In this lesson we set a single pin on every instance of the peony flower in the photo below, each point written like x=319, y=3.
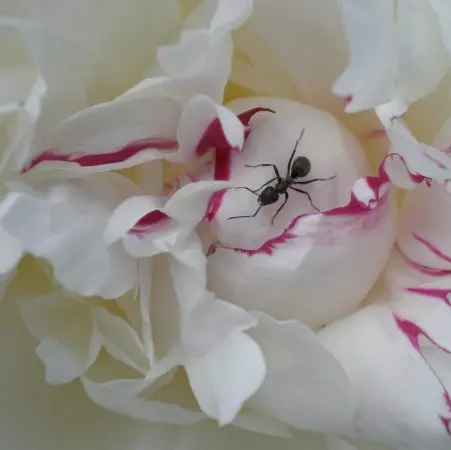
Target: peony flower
x=216, y=254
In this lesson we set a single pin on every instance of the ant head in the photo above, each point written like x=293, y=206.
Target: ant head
x=301, y=167
x=268, y=196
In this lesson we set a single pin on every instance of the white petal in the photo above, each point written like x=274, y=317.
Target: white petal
x=369, y=79
x=422, y=57
x=60, y=232
x=211, y=322
x=11, y=251
x=305, y=385
x=120, y=396
x=119, y=339
x=226, y=377
x=53, y=416
x=68, y=343
x=443, y=10
x=272, y=35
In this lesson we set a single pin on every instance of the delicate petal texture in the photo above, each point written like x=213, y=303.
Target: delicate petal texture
x=275, y=32
x=396, y=52
x=61, y=232
x=224, y=378
x=304, y=385
x=283, y=275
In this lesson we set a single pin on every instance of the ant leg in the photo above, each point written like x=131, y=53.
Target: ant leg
x=256, y=190
x=247, y=189
x=308, y=196
x=292, y=154
x=280, y=208
x=242, y=217
x=276, y=171
x=314, y=179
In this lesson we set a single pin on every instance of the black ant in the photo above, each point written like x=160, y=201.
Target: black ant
x=299, y=168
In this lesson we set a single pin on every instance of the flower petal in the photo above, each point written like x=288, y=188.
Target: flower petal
x=68, y=343
x=271, y=37
x=284, y=276
x=304, y=386
x=60, y=232
x=223, y=379
x=396, y=53
x=120, y=340
x=110, y=136
x=405, y=404
x=11, y=252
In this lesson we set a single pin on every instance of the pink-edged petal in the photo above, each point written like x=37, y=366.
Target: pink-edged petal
x=223, y=379
x=420, y=158
x=305, y=385
x=205, y=125
x=74, y=246
x=369, y=79
x=128, y=214
x=397, y=358
x=110, y=136
x=272, y=136
x=147, y=228
x=284, y=275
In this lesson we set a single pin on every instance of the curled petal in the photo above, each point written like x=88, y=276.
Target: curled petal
x=148, y=227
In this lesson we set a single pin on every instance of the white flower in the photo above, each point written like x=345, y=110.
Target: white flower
x=324, y=314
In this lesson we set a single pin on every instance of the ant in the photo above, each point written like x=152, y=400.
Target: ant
x=299, y=168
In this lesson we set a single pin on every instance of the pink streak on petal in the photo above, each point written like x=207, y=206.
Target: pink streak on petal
x=375, y=133
x=413, y=333
x=246, y=116
x=213, y=137
x=215, y=204
x=422, y=268
x=147, y=222
x=432, y=248
x=441, y=294
x=356, y=207
x=96, y=159
x=347, y=100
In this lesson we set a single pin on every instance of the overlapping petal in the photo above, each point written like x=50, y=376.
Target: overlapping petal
x=397, y=52
x=69, y=219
